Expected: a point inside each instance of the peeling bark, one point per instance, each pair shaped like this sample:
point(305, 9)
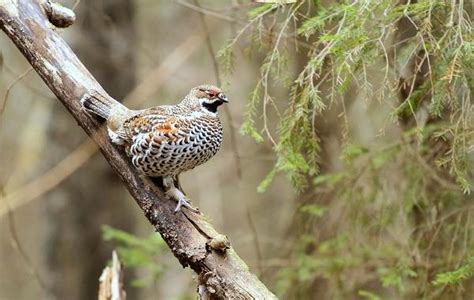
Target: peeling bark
point(111, 285)
point(222, 274)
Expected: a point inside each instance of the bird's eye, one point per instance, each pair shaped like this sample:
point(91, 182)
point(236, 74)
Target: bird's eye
point(211, 93)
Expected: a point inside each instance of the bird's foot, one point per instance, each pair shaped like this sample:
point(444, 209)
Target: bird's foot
point(185, 203)
point(176, 194)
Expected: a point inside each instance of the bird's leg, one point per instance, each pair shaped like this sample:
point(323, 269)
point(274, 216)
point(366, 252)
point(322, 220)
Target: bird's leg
point(175, 193)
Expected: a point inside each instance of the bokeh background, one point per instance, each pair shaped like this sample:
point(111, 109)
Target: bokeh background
point(381, 238)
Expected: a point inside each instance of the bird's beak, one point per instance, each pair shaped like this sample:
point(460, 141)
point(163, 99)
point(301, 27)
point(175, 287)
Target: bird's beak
point(223, 98)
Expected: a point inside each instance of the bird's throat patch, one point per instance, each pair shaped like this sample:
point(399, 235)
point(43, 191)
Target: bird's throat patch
point(212, 107)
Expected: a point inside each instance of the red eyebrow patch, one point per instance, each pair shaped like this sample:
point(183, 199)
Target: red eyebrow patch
point(212, 93)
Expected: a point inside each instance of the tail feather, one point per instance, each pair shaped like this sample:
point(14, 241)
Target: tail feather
point(99, 104)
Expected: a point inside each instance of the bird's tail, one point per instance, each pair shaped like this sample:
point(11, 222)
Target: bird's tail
point(100, 105)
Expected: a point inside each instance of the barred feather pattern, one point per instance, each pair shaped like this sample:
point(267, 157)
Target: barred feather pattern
point(168, 140)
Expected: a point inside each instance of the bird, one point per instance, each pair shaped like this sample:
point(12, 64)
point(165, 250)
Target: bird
point(167, 140)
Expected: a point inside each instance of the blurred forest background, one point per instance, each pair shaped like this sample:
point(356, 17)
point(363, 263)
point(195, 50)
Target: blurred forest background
point(347, 168)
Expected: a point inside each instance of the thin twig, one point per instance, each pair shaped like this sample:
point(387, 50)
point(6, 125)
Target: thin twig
point(156, 78)
point(205, 11)
point(76, 4)
point(256, 240)
point(50, 179)
point(246, 24)
point(7, 93)
point(266, 71)
point(210, 48)
point(16, 245)
point(38, 91)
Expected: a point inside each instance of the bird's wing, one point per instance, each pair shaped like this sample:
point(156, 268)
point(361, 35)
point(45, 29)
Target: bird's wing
point(157, 126)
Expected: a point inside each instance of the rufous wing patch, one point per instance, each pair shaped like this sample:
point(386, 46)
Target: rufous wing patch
point(168, 126)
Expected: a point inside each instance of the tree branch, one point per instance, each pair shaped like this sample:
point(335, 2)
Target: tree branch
point(222, 274)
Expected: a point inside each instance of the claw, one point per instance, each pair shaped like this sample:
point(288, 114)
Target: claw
point(176, 194)
point(183, 202)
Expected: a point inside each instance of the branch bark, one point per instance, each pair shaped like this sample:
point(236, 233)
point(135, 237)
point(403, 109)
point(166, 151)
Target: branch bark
point(193, 240)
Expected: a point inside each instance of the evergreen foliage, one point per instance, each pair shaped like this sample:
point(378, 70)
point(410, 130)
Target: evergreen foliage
point(137, 253)
point(458, 276)
point(395, 211)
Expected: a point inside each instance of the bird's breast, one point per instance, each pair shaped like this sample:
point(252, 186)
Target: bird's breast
point(177, 151)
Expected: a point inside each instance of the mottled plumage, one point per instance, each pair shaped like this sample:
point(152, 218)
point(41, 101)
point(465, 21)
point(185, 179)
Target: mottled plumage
point(165, 140)
point(170, 140)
